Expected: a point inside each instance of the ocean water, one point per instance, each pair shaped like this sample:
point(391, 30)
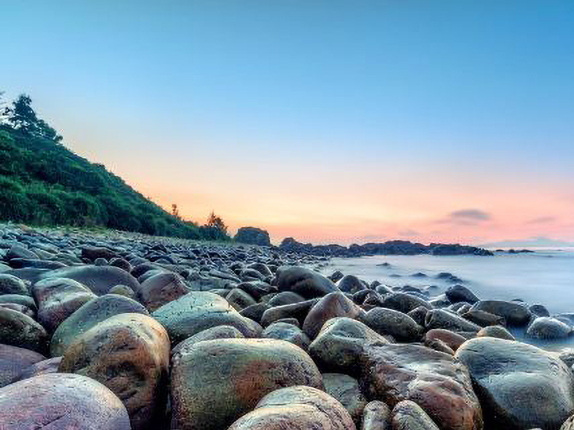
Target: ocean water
point(545, 277)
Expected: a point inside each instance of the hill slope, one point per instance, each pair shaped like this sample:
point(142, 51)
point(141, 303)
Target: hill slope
point(43, 183)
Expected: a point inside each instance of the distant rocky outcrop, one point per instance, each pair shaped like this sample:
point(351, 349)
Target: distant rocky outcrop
point(253, 236)
point(392, 247)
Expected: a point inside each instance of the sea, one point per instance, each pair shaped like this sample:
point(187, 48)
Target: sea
point(545, 276)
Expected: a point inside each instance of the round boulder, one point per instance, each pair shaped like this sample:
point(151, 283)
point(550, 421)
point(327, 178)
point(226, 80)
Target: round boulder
point(20, 330)
point(303, 281)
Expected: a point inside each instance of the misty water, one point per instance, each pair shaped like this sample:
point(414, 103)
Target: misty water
point(545, 277)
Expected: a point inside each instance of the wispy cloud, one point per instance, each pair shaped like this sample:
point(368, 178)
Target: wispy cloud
point(542, 220)
point(470, 215)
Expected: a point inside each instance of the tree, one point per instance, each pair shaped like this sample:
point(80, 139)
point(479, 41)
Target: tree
point(175, 211)
point(216, 222)
point(24, 119)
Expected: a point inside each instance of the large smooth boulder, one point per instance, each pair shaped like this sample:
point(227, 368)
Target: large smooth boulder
point(198, 311)
point(20, 330)
point(331, 306)
point(345, 389)
point(10, 284)
point(548, 328)
point(520, 386)
point(57, 299)
point(13, 360)
point(160, 289)
point(303, 281)
point(296, 408)
point(218, 332)
point(252, 236)
point(129, 354)
point(394, 323)
point(215, 382)
point(87, 316)
point(460, 293)
point(350, 284)
point(434, 380)
point(514, 313)
point(298, 311)
point(99, 279)
point(339, 345)
point(43, 367)
point(404, 302)
point(439, 318)
point(61, 402)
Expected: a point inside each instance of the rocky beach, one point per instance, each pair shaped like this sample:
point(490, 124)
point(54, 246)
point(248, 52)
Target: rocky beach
point(118, 331)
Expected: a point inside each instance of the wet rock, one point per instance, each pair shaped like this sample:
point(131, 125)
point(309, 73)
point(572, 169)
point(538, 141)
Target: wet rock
point(331, 306)
point(339, 345)
point(495, 331)
point(255, 312)
point(99, 279)
point(123, 290)
point(350, 284)
point(298, 311)
point(26, 301)
point(296, 408)
point(346, 391)
point(404, 302)
point(92, 253)
point(304, 282)
point(394, 323)
point(419, 315)
point(460, 293)
point(439, 318)
point(539, 310)
point(87, 316)
point(287, 332)
point(13, 360)
point(129, 354)
point(219, 332)
point(57, 299)
point(407, 415)
point(239, 299)
point(519, 385)
point(18, 251)
point(548, 328)
point(198, 311)
point(43, 367)
point(57, 401)
point(514, 313)
point(20, 330)
point(483, 318)
point(285, 298)
point(451, 339)
point(376, 416)
point(10, 284)
point(216, 382)
point(160, 289)
point(432, 379)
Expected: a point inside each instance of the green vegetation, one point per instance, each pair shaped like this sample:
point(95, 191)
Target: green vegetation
point(44, 183)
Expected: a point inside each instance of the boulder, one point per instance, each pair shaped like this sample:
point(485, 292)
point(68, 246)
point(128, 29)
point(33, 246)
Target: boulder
point(376, 416)
point(350, 284)
point(129, 354)
point(303, 281)
point(198, 311)
point(548, 328)
point(331, 306)
point(57, 299)
point(10, 284)
point(285, 298)
point(439, 318)
point(296, 408)
point(99, 279)
point(404, 302)
point(434, 380)
point(460, 293)
point(13, 360)
point(58, 401)
point(215, 382)
point(87, 316)
point(514, 313)
point(339, 345)
point(43, 367)
point(407, 415)
point(394, 323)
point(20, 330)
point(218, 332)
point(239, 299)
point(252, 236)
point(520, 386)
point(346, 391)
point(287, 332)
point(160, 289)
point(298, 311)
point(483, 318)
point(495, 331)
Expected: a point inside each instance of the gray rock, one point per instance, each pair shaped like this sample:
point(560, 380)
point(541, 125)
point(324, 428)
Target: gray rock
point(548, 328)
point(514, 313)
point(407, 415)
point(346, 391)
point(394, 323)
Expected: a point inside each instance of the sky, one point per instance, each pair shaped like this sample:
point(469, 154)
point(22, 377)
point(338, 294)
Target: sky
point(330, 121)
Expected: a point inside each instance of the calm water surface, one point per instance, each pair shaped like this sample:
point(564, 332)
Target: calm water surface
point(545, 276)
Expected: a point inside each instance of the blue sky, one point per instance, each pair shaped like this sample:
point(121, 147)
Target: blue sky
point(334, 119)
